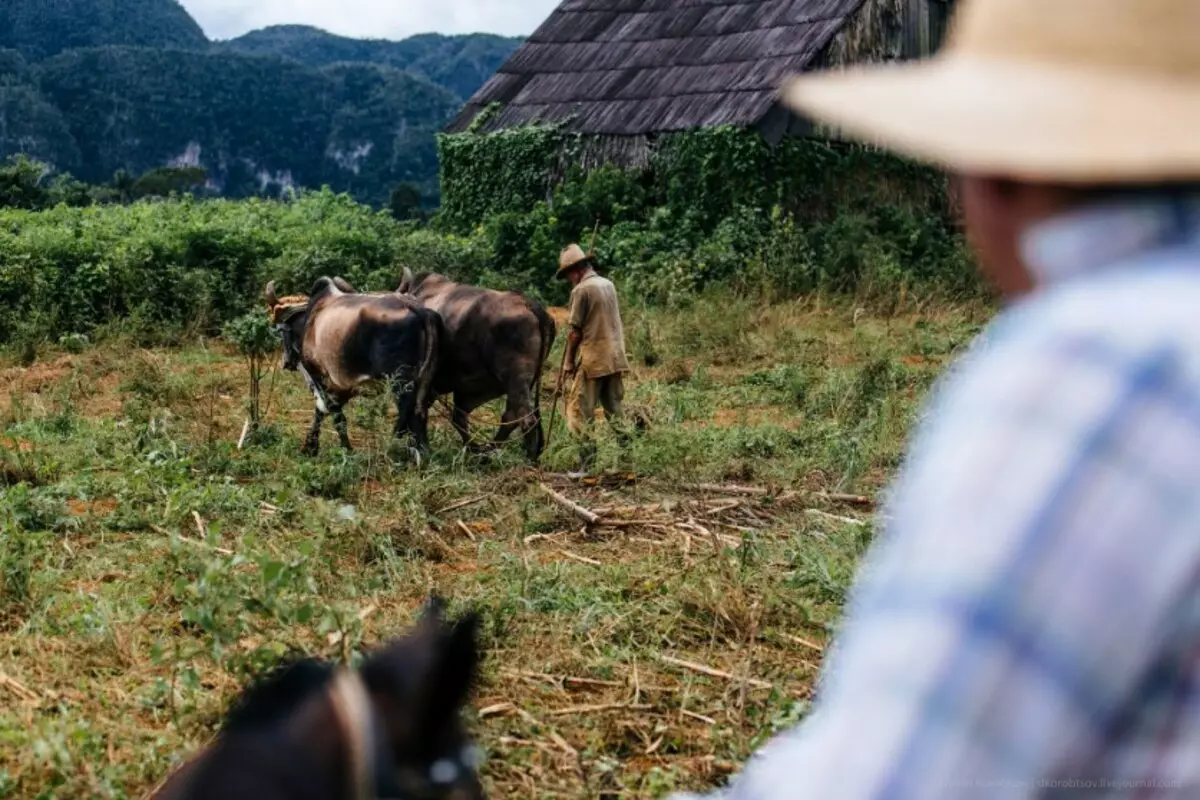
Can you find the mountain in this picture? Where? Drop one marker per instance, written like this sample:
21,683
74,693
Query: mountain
257,124
460,63
93,87
43,28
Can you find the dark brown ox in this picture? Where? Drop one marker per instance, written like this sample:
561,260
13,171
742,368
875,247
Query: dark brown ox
494,344
340,341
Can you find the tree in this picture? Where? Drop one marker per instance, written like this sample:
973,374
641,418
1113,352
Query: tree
21,183
255,339
164,181
406,202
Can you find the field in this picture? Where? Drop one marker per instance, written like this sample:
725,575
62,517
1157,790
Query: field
149,568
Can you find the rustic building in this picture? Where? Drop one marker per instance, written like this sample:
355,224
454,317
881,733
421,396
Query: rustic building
622,72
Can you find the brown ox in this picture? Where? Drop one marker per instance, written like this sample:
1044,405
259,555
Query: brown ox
494,344
340,341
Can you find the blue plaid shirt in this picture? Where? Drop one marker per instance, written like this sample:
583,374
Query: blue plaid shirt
1027,624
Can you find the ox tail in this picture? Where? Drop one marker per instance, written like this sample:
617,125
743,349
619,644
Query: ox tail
548,330
432,324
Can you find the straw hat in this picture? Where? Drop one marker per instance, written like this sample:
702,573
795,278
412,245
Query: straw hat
1073,91
572,256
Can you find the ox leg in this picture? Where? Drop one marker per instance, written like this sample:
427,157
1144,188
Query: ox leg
409,418
343,427
461,419
312,444
520,412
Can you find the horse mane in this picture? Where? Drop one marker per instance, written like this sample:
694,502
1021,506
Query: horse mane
276,694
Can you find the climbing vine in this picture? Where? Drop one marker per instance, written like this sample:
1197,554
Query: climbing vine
710,205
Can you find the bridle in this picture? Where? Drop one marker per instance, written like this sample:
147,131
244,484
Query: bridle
371,772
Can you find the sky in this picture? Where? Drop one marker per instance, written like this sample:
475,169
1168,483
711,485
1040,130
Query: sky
383,19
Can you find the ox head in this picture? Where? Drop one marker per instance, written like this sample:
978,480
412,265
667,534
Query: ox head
288,315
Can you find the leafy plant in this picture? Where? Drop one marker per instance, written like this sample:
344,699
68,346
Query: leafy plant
255,340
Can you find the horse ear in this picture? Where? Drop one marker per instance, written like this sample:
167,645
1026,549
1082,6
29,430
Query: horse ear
406,281
457,669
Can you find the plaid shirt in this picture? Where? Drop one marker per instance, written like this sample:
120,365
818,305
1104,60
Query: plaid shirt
1028,622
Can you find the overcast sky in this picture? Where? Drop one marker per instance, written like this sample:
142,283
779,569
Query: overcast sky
386,19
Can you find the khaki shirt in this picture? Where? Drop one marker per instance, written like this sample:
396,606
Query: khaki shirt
597,316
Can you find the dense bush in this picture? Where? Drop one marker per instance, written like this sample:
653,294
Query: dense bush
712,206
839,220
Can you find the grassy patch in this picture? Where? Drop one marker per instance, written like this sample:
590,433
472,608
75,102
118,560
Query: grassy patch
148,566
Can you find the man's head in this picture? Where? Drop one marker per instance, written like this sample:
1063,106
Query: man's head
1037,107
574,265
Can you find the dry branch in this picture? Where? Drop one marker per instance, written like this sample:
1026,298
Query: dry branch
581,559
694,715
805,642
834,517
712,672
470,501
462,526
848,499
19,689
574,508
573,710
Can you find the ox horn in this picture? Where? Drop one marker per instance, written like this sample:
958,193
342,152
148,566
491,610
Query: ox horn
269,294
406,281
343,285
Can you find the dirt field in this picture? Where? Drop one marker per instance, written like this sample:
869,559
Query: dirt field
149,568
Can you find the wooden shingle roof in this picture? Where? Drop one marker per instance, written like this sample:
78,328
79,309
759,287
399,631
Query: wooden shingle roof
630,67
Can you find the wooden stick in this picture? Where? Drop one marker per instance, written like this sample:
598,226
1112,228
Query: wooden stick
462,526
834,517
581,559
200,525
711,672
470,501
805,642
848,499
498,708
749,491
696,716
574,508
206,546
245,432
565,712
18,688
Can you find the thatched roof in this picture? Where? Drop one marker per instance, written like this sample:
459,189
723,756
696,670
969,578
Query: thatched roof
637,67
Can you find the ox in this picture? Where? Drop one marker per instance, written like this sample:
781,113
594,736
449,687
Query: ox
339,341
494,344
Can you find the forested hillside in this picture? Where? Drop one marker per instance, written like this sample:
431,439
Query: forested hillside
99,87
42,28
460,63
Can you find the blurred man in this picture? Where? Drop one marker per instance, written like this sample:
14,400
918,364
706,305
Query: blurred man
595,357
1028,624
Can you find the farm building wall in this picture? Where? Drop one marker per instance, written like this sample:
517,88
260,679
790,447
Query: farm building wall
478,179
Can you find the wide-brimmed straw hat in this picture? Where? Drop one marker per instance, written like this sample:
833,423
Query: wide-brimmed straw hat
1070,91
571,256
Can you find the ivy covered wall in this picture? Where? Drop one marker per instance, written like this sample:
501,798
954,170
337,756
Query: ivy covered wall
710,205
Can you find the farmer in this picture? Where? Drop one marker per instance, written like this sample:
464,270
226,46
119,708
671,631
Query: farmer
1030,616
596,340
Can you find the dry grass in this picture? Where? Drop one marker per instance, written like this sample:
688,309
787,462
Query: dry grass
148,568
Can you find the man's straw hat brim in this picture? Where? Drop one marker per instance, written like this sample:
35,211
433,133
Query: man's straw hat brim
988,107
571,257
